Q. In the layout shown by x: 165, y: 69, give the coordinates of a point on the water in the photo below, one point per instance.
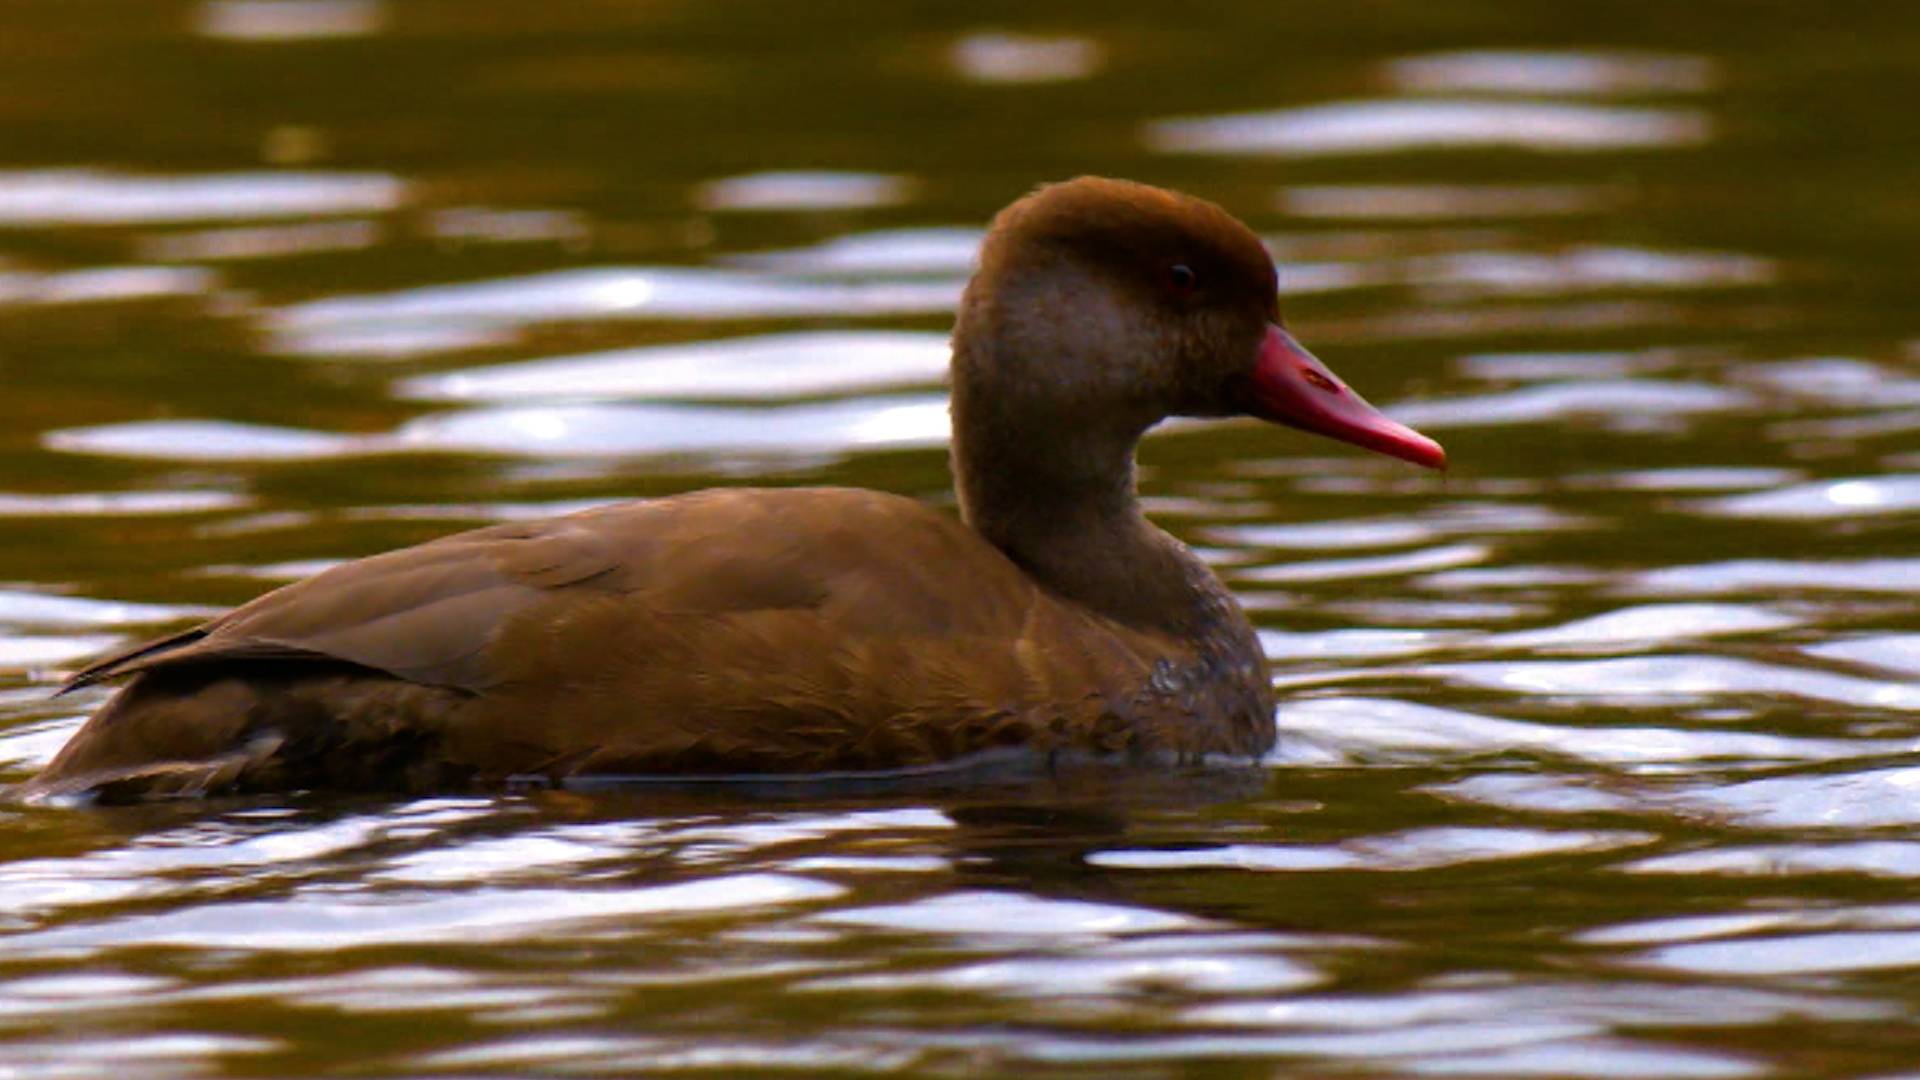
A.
x: 1598, y: 753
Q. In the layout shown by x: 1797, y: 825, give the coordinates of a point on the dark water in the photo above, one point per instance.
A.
x: 1598, y: 753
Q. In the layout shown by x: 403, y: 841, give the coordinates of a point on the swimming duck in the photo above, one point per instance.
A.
x: 812, y: 630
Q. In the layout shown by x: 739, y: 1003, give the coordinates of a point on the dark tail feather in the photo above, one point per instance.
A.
x: 129, y: 661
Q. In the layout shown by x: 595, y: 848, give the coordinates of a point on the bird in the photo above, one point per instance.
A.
x: 757, y: 632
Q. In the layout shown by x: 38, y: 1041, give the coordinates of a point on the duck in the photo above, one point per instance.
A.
x: 760, y: 632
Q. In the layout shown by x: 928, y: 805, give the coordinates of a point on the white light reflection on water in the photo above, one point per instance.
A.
x: 1434, y: 558
x: 146, y: 1055
x: 796, y: 190
x: 1835, y: 380
x: 617, y: 1056
x: 1874, y: 858
x: 28, y: 652
x: 1399, y: 126
x: 1600, y: 74
x: 1621, y: 398
x: 1861, y: 496
x: 996, y: 914
x: 253, y: 242
x: 48, y: 198
x: 1353, y: 729
x: 1587, y: 269
x: 1646, y: 626
x: 200, y: 440
x: 1893, y: 652
x: 19, y: 608
x: 798, y: 431
x: 314, y: 922
x: 937, y: 250
x: 757, y: 368
x: 288, y: 20
x: 119, y: 503
x: 104, y: 285
x: 1747, y: 576
x: 1237, y: 967
x: 1417, y: 202
x: 1417, y: 849
x: 607, y: 293
x: 1690, y: 478
x: 655, y: 430
x: 1001, y: 58
x: 1678, y: 677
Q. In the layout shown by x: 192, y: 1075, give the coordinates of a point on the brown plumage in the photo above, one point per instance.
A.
x: 801, y: 630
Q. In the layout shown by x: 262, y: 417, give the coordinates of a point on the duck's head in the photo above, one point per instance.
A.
x: 1114, y: 305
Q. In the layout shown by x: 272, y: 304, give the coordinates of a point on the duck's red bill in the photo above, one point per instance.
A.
x: 1291, y: 386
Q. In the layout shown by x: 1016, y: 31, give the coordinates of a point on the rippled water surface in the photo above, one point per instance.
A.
x: 1598, y: 753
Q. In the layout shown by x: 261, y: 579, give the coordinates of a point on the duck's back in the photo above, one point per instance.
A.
x: 740, y: 630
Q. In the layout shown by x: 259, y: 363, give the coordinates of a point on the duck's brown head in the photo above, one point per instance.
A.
x: 1112, y: 304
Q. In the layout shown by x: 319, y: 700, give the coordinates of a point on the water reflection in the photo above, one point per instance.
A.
x: 1398, y: 126
x: 1851, y: 497
x: 316, y: 923
x: 1584, y: 270
x: 262, y: 242
x: 72, y: 197
x: 1679, y: 677
x: 1354, y: 729
x: 1431, y: 202
x: 288, y: 20
x: 1024, y: 58
x: 466, y: 315
x: 1553, y: 73
x: 802, y: 191
x: 1627, y: 400
x: 771, y: 367
x: 949, y: 251
x: 1420, y: 849
x: 107, y: 285
x: 1892, y: 652
x: 640, y: 430
x: 118, y: 503
x: 615, y: 431
x: 201, y: 440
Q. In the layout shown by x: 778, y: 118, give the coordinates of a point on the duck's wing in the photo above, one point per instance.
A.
x: 460, y: 612
x: 424, y: 614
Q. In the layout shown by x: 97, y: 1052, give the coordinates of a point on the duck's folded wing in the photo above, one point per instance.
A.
x: 475, y: 609
x: 425, y: 614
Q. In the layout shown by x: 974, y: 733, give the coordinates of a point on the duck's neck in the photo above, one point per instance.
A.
x: 1061, y: 503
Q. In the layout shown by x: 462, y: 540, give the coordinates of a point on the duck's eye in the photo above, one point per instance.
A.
x: 1181, y: 280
